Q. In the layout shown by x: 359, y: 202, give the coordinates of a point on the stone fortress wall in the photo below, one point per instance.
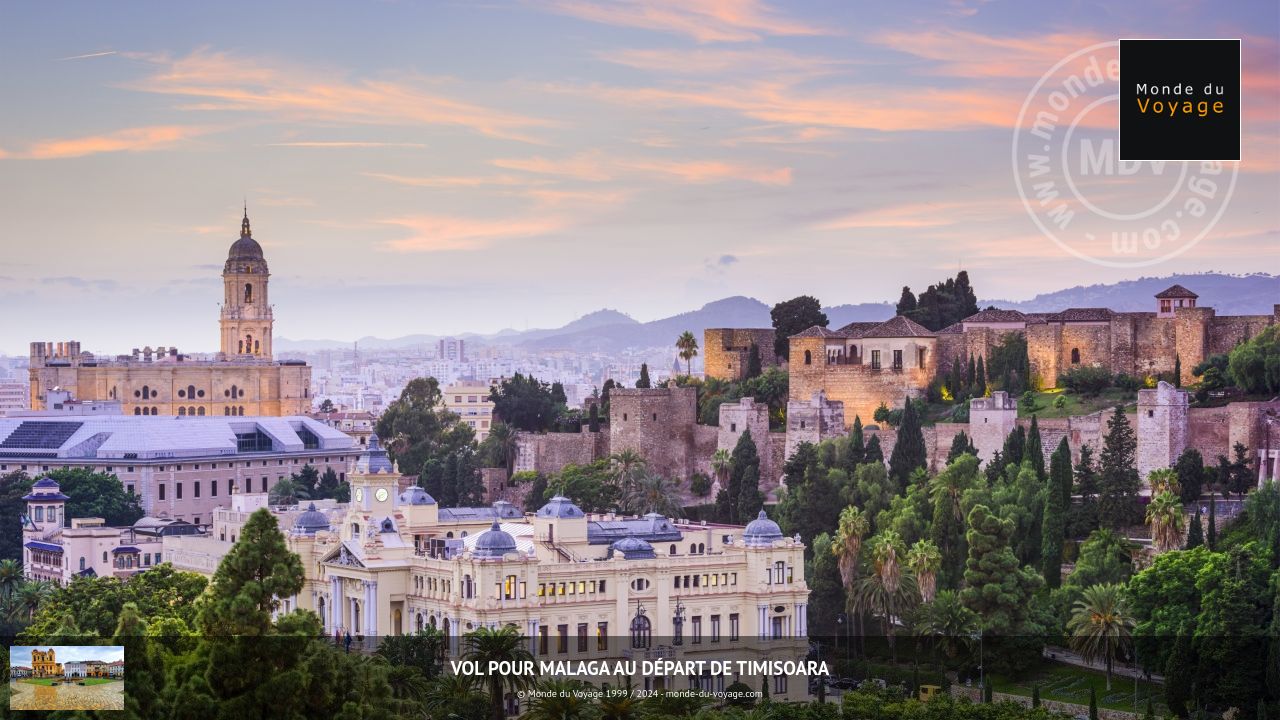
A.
x: 725, y: 351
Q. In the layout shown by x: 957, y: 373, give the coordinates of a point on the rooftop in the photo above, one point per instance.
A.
x: 142, y: 437
x: 1175, y: 291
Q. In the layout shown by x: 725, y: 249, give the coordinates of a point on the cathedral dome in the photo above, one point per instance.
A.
x: 560, y: 507
x: 246, y: 249
x: 761, y: 532
x: 633, y: 548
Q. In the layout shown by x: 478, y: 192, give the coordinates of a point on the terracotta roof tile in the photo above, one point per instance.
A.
x: 817, y: 331
x: 856, y: 329
x: 1082, y: 315
x: 899, y: 327
x: 1176, y: 291
x: 996, y: 315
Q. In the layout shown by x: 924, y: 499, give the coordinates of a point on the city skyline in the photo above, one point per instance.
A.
x: 428, y: 167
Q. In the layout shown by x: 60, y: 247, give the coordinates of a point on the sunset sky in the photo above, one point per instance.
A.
x: 453, y: 167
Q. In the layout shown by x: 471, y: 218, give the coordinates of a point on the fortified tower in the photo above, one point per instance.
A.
x: 246, y: 311
x: 1162, y: 428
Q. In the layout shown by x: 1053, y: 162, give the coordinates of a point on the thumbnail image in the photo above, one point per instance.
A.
x: 66, y: 677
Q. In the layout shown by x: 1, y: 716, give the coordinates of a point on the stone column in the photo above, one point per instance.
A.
x: 335, y: 604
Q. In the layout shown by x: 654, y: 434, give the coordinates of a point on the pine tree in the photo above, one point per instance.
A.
x: 1034, y: 450
x: 874, y: 453
x: 1195, y: 533
x: 906, y: 302
x: 993, y: 565
x: 1211, y: 536
x: 1055, y: 515
x: 643, y: 382
x: 754, y: 365
x: 909, y: 451
x: 1118, y: 482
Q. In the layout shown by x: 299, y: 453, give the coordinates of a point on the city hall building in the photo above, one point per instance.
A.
x: 579, y: 586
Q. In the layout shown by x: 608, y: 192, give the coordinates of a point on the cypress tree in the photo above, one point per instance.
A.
x: 1195, y: 533
x: 744, y: 457
x: 994, y: 469
x: 909, y: 451
x: 1035, y: 696
x: 980, y: 378
x: 1015, y: 447
x: 1034, y: 450
x: 857, y: 447
x: 752, y: 500
x: 970, y: 375
x: 1177, y: 371
x: 960, y: 445
x: 643, y: 382
x: 956, y: 382
x: 874, y: 453
x: 593, y: 418
x: 1211, y: 537
x: 1055, y: 515
x: 754, y: 365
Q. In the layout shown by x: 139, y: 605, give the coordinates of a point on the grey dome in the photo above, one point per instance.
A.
x: 762, y: 531
x: 560, y: 507
x: 246, y: 248
x: 494, y: 543
x: 416, y: 496
x: 374, y: 459
x: 633, y: 548
x: 311, y: 521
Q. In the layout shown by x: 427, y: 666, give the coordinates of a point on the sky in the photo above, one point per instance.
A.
x: 455, y: 167
x: 21, y: 654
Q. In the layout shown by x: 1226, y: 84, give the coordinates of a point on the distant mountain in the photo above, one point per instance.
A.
x: 611, y: 330
x: 1228, y: 294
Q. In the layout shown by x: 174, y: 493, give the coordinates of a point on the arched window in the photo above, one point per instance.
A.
x: 248, y: 292
x: 146, y: 392
x: 808, y: 358
x: 257, y: 347
x: 182, y: 411
x: 702, y: 548
x: 641, y: 632
x: 104, y: 556
x: 200, y: 411
x: 468, y: 587
x: 191, y: 391
x: 82, y: 563
x: 419, y: 623
x: 137, y: 411
x: 673, y: 550
x: 191, y: 411
x: 1075, y: 356
x: 248, y: 342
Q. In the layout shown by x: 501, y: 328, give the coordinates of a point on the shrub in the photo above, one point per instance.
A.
x: 1088, y: 380
x: 1060, y: 402
x: 1128, y: 382
x: 700, y: 485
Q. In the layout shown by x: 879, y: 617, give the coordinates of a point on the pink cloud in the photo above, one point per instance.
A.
x: 703, y: 20
x: 959, y: 53
x: 138, y: 139
x: 454, y: 181
x: 595, y: 166
x: 301, y: 94
x: 440, y: 233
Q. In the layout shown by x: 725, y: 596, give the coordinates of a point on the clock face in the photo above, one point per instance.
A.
x: 381, y: 494
x: 359, y: 494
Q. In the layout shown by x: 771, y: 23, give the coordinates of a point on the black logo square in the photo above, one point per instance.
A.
x: 1179, y: 99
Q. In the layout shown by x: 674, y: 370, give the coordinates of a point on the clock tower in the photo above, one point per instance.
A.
x: 374, y: 483
x: 246, y: 311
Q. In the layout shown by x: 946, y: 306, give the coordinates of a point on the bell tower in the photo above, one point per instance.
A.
x: 246, y: 311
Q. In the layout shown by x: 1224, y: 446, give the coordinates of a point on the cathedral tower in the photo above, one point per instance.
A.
x: 246, y: 310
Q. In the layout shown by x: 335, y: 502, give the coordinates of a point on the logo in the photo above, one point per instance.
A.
x: 1091, y: 203
x: 1180, y: 99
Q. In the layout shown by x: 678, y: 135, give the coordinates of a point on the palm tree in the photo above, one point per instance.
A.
x: 721, y: 463
x: 10, y: 577
x: 652, y: 493
x: 688, y: 346
x: 29, y: 597
x: 924, y: 559
x: 504, y: 644
x: 452, y: 691
x: 848, y: 542
x: 1100, y: 625
x: 1167, y: 521
x: 888, y: 591
x: 1164, y: 479
x: 626, y: 465
x: 948, y: 621
x: 504, y: 439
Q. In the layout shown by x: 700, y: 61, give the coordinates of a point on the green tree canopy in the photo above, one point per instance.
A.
x: 793, y: 316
